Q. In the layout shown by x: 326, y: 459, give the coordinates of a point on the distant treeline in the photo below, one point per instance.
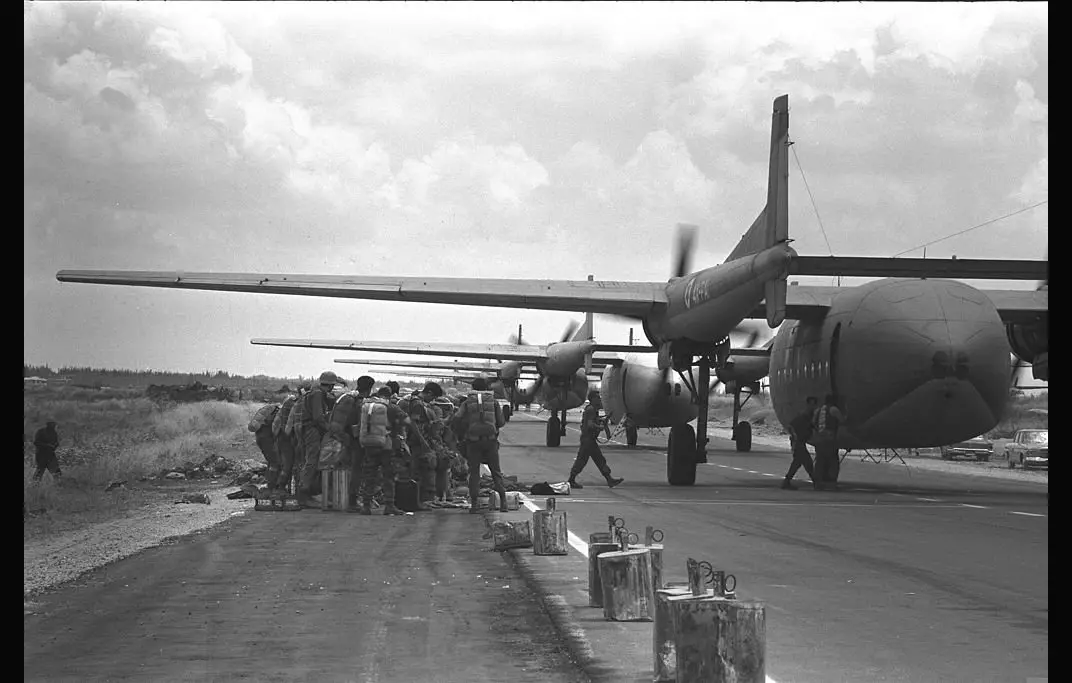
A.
x: 97, y: 377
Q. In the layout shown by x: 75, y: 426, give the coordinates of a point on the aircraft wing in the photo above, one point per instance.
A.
x: 805, y: 302
x: 953, y: 269
x: 634, y: 299
x: 499, y: 351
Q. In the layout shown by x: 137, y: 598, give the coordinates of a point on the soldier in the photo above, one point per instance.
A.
x: 479, y: 420
x: 393, y: 386
x: 378, y: 432
x: 826, y: 422
x: 46, y: 441
x: 316, y: 406
x: 343, y: 425
x: 800, y: 430
x: 261, y: 426
x: 293, y: 429
x: 284, y: 446
x: 422, y: 419
x: 591, y: 425
x: 446, y: 448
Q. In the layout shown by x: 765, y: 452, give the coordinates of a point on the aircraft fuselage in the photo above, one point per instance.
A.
x: 705, y: 306
x: 914, y: 363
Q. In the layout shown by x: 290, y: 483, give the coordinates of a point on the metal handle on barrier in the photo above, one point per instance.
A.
x: 652, y: 535
x: 614, y: 523
x: 724, y: 584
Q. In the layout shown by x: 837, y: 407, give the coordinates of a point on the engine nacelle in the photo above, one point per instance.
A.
x: 629, y: 390
x: 644, y: 395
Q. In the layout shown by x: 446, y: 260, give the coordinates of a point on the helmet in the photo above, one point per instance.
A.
x: 329, y: 377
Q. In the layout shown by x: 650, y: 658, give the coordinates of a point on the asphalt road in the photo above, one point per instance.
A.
x: 303, y: 596
x: 902, y: 575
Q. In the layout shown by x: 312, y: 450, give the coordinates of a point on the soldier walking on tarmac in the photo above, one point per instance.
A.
x: 591, y: 425
x: 479, y: 420
x: 800, y: 430
x: 316, y: 406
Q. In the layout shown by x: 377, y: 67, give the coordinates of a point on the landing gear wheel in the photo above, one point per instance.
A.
x: 631, y: 436
x: 554, y: 432
x: 681, y: 456
x: 507, y: 412
x: 743, y: 437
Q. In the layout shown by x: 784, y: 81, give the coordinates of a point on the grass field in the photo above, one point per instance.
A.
x: 114, y: 435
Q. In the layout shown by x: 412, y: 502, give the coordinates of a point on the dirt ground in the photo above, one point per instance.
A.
x: 279, y: 596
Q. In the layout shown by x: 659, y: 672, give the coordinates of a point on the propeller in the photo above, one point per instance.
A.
x: 686, y: 242
x: 516, y: 338
x: 682, y: 260
x: 570, y: 329
x: 752, y: 331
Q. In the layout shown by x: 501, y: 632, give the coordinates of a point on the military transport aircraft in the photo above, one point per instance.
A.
x: 913, y: 360
x: 562, y: 366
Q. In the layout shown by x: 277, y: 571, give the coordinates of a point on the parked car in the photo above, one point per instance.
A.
x: 978, y: 448
x: 1029, y: 448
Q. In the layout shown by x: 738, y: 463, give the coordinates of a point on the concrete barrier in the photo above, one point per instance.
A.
x: 719, y: 639
x: 550, y: 535
x: 716, y: 637
x: 626, y: 576
x: 664, y: 637
x: 595, y: 586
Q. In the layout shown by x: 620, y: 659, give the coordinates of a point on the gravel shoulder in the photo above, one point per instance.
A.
x: 60, y: 558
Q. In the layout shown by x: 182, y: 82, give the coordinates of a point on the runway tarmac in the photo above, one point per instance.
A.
x: 902, y: 575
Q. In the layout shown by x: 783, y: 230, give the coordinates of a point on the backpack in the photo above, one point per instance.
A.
x: 480, y: 415
x: 282, y: 415
x: 262, y: 417
x: 824, y: 421
x: 373, y: 428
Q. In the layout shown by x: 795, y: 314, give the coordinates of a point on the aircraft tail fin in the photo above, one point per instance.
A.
x: 771, y: 227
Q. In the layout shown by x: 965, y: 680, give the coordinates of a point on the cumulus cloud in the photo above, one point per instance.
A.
x: 513, y: 140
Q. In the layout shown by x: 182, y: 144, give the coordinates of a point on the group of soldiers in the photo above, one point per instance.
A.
x: 381, y: 437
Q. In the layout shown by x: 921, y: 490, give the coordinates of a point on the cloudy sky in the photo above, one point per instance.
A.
x: 547, y: 140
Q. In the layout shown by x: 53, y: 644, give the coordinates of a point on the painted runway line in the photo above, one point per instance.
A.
x: 1025, y: 514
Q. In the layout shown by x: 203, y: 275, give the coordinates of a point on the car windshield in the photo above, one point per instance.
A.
x: 1037, y: 438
